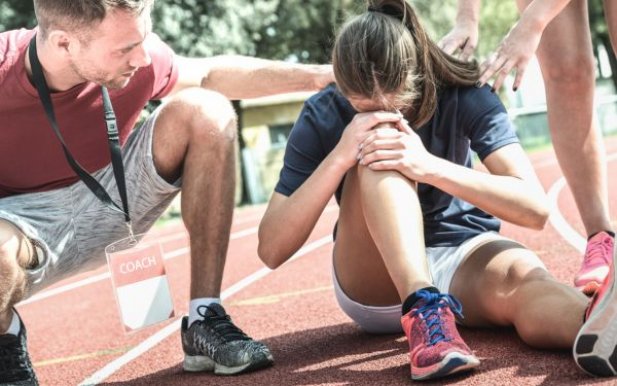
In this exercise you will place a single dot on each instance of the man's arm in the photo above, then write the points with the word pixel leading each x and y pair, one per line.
pixel 243 77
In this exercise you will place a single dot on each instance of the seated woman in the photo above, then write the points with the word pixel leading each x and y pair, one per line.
pixel 418 226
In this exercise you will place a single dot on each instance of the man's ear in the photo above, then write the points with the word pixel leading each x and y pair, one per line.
pixel 61 42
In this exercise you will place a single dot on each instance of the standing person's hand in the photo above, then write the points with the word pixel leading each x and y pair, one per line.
pixel 514 53
pixel 461 41
pixel 360 127
pixel 399 149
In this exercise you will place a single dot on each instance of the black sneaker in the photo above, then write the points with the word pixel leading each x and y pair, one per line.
pixel 214 343
pixel 15 366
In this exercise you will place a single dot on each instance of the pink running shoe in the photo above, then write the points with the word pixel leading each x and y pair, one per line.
pixel 595 346
pixel 435 347
pixel 598 255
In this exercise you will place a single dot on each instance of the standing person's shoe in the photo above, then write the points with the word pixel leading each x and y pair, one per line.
pixel 15 366
pixel 435 347
pixel 593 271
pixel 214 343
pixel 595 345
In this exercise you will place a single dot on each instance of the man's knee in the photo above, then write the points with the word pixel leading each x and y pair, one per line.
pixel 207 114
pixel 15 255
pixel 15 247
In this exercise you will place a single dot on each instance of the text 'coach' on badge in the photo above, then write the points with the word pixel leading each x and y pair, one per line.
pixel 140 282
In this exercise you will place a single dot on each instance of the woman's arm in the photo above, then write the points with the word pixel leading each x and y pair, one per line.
pixel 288 221
pixel 511 191
pixel 521 43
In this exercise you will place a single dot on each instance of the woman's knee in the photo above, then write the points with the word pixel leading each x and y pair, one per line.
pixel 390 180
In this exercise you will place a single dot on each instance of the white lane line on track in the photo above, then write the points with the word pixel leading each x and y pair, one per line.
pixel 557 220
pixel 159 336
pixel 167 256
pixel 106 275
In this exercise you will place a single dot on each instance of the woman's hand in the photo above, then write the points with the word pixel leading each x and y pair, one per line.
pixel 349 147
pixel 461 41
pixel 397 148
pixel 513 54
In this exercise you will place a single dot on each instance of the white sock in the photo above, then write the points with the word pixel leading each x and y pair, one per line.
pixel 14 327
pixel 196 303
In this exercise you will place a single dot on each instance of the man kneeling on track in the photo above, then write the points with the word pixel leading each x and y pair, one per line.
pixel 56 78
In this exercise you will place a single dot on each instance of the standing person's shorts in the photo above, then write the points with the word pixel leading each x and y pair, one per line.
pixel 442 262
pixel 70 228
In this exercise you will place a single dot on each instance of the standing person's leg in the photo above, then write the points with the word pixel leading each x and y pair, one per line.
pixel 566 59
pixel 194 138
pixel 380 262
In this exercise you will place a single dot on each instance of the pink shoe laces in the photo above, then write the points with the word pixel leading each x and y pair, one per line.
pixel 599 250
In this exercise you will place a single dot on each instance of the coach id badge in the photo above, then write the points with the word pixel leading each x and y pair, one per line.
pixel 140 282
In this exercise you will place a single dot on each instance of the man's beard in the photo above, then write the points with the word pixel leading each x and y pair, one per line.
pixel 116 83
pixel 101 78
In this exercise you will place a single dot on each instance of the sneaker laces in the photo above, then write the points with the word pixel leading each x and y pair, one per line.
pixel 429 312
pixel 599 251
pixel 214 315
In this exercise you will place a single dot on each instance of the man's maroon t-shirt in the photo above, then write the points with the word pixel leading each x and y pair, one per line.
pixel 31 156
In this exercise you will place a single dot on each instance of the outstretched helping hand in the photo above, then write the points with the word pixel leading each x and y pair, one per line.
pixel 513 54
pixel 461 41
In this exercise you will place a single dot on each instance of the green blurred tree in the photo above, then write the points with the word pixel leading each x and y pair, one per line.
pixel 16 14
pixel 599 34
pixel 297 30
pixel 496 18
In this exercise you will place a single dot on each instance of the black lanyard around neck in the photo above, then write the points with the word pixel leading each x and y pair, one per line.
pixel 112 135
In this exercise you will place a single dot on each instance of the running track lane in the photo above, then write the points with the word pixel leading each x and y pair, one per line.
pixel 294 312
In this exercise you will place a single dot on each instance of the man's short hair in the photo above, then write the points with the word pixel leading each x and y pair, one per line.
pixel 73 15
